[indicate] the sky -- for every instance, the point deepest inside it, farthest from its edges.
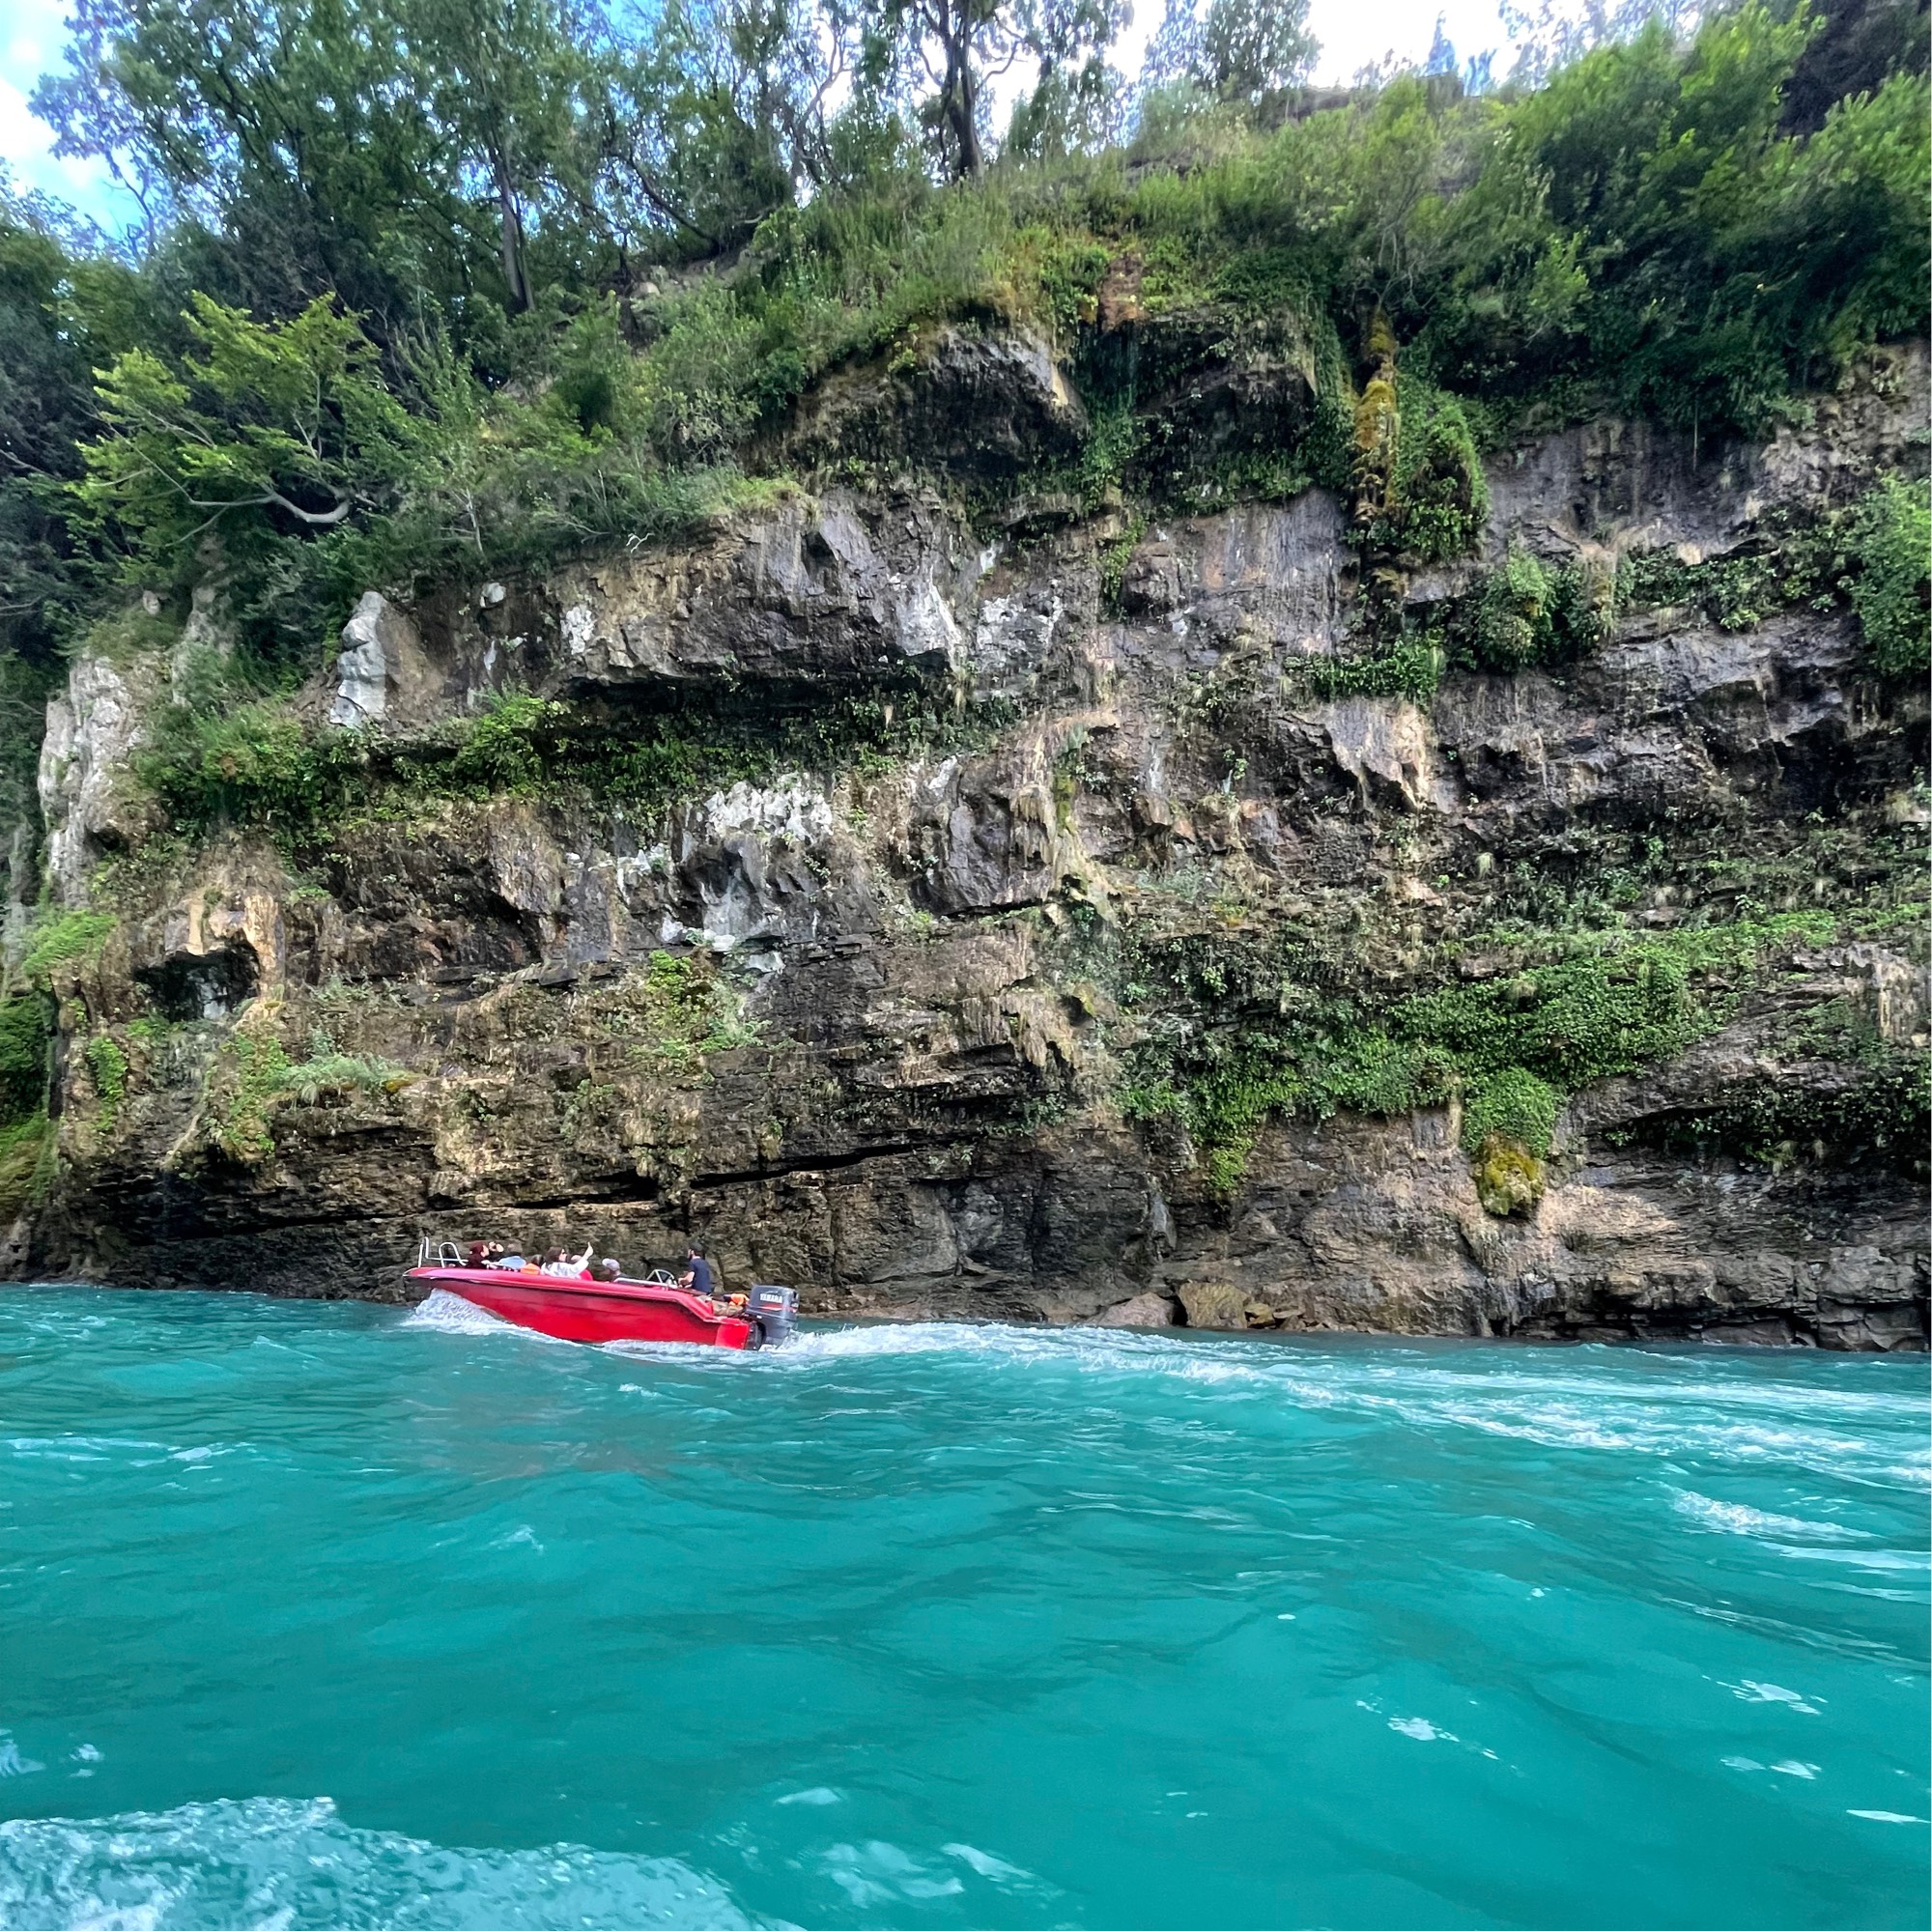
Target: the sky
(1353, 33)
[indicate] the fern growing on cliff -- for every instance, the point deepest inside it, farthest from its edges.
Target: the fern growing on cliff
(1891, 592)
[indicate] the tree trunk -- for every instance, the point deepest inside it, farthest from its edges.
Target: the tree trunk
(511, 221)
(970, 161)
(962, 90)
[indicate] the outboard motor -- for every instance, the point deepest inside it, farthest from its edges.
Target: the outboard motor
(775, 1310)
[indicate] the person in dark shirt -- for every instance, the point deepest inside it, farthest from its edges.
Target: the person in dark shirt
(696, 1273)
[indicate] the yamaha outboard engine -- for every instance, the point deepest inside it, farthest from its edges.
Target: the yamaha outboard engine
(777, 1312)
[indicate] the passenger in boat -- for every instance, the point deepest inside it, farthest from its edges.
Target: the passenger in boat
(478, 1257)
(512, 1263)
(696, 1275)
(605, 1269)
(568, 1267)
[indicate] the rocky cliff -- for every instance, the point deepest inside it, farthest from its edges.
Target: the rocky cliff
(1018, 907)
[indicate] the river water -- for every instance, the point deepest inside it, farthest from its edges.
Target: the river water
(322, 1615)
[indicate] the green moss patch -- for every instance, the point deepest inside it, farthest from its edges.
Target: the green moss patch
(1512, 1047)
(1509, 1177)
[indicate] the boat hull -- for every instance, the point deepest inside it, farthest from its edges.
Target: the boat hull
(571, 1310)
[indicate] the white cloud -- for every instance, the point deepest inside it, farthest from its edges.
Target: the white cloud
(26, 147)
(36, 38)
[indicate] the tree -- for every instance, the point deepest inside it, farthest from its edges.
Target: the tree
(391, 152)
(264, 431)
(511, 87)
(277, 124)
(1551, 35)
(64, 307)
(724, 113)
(948, 52)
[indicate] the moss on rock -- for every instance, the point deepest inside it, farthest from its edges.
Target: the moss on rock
(1509, 1177)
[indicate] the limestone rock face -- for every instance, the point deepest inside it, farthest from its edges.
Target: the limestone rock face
(380, 673)
(878, 1025)
(800, 593)
(89, 800)
(1138, 1311)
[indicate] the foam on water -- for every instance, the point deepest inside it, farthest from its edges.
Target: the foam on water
(444, 1313)
(270, 1864)
(1686, 1408)
(1738, 1519)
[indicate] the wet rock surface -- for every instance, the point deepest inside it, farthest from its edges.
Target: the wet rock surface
(852, 1028)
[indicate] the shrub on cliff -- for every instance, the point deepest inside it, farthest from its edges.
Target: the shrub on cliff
(63, 938)
(1515, 1104)
(1891, 546)
(1512, 1047)
(25, 1030)
(1528, 612)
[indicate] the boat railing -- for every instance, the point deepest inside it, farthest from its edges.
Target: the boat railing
(447, 1254)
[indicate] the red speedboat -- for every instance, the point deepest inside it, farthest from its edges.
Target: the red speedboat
(653, 1309)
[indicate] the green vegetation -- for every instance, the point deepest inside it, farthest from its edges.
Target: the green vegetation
(1413, 669)
(1512, 1047)
(1851, 1097)
(1876, 552)
(679, 1010)
(26, 1030)
(64, 938)
(568, 298)
(1434, 497)
(1115, 558)
(1514, 1105)
(1881, 1116)
(26, 1133)
(253, 1077)
(26, 1164)
(238, 1124)
(1528, 612)
(107, 1068)
(1508, 1177)
(258, 765)
(1892, 545)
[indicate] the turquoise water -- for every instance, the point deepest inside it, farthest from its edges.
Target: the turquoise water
(334, 1615)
